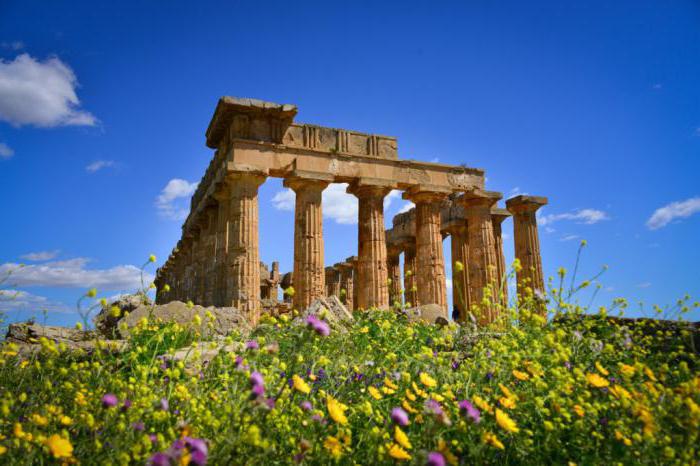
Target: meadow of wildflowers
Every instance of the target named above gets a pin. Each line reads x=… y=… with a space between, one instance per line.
x=567 y=389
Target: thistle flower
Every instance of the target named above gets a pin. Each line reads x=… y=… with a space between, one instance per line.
x=109 y=400
x=164 y=404
x=465 y=407
x=159 y=459
x=399 y=416
x=435 y=459
x=252 y=345
x=256 y=378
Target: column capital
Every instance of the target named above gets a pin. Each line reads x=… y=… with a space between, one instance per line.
x=525 y=204
x=455 y=227
x=498 y=215
x=479 y=198
x=299 y=183
x=250 y=175
x=419 y=194
x=363 y=188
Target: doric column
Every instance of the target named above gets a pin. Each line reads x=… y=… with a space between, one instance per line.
x=394 y=271
x=482 y=254
x=208 y=259
x=371 y=284
x=410 y=289
x=346 y=285
x=221 y=261
x=459 y=245
x=497 y=218
x=527 y=242
x=430 y=260
x=243 y=258
x=332 y=281
x=309 y=275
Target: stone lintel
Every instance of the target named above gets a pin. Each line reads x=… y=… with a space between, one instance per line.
x=523 y=203
x=298 y=179
x=426 y=193
x=244 y=116
x=499 y=215
x=453 y=225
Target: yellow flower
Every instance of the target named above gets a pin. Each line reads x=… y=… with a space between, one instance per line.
x=398 y=453
x=426 y=380
x=401 y=438
x=458 y=266
x=333 y=445
x=579 y=410
x=521 y=375
x=59 y=447
x=374 y=393
x=300 y=385
x=491 y=439
x=507 y=402
x=481 y=403
x=407 y=406
x=3 y=450
x=506 y=422
x=596 y=380
x=650 y=374
x=410 y=395
x=601 y=369
x=336 y=410
x=507 y=392
x=619 y=392
x=627 y=370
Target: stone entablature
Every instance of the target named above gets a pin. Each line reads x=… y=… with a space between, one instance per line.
x=217 y=260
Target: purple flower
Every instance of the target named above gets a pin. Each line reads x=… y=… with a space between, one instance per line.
x=489 y=375
x=567 y=364
x=198 y=458
x=433 y=407
x=319 y=326
x=465 y=407
x=153 y=438
x=159 y=459
x=270 y=402
x=399 y=416
x=109 y=400
x=455 y=365
x=435 y=459
x=198 y=450
x=257 y=391
x=138 y=426
x=126 y=405
x=164 y=404
x=306 y=406
x=256 y=378
x=251 y=345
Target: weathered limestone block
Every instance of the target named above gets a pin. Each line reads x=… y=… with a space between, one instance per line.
x=482 y=254
x=429 y=313
x=372 y=274
x=106 y=323
x=527 y=242
x=332 y=281
x=309 y=272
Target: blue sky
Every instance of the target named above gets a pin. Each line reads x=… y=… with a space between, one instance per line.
x=593 y=104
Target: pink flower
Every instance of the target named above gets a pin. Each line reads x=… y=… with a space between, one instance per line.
x=109 y=400
x=399 y=416
x=465 y=407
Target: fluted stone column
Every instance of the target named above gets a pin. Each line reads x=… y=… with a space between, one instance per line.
x=372 y=275
x=332 y=281
x=409 y=275
x=309 y=274
x=346 y=283
x=430 y=260
x=459 y=245
x=243 y=258
x=208 y=259
x=527 y=242
x=497 y=218
x=482 y=254
x=222 y=243
x=394 y=271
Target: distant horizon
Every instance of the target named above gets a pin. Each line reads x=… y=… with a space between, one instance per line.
x=104 y=108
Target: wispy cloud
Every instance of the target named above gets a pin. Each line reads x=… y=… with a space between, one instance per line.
x=6 y=151
x=644 y=285
x=515 y=192
x=40 y=93
x=74 y=273
x=673 y=211
x=12 y=45
x=585 y=216
x=99 y=165
x=170 y=202
x=569 y=238
x=40 y=255
x=14 y=300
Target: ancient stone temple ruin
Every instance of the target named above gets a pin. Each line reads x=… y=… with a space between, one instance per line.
x=217 y=261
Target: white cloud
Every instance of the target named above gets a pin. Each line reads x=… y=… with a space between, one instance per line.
x=40 y=255
x=6 y=151
x=337 y=204
x=408 y=205
x=40 y=93
x=675 y=210
x=569 y=238
x=170 y=202
x=73 y=273
x=587 y=216
x=515 y=192
x=549 y=230
x=99 y=165
x=15 y=300
x=644 y=285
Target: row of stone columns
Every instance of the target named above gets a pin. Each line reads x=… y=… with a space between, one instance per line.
x=217 y=262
